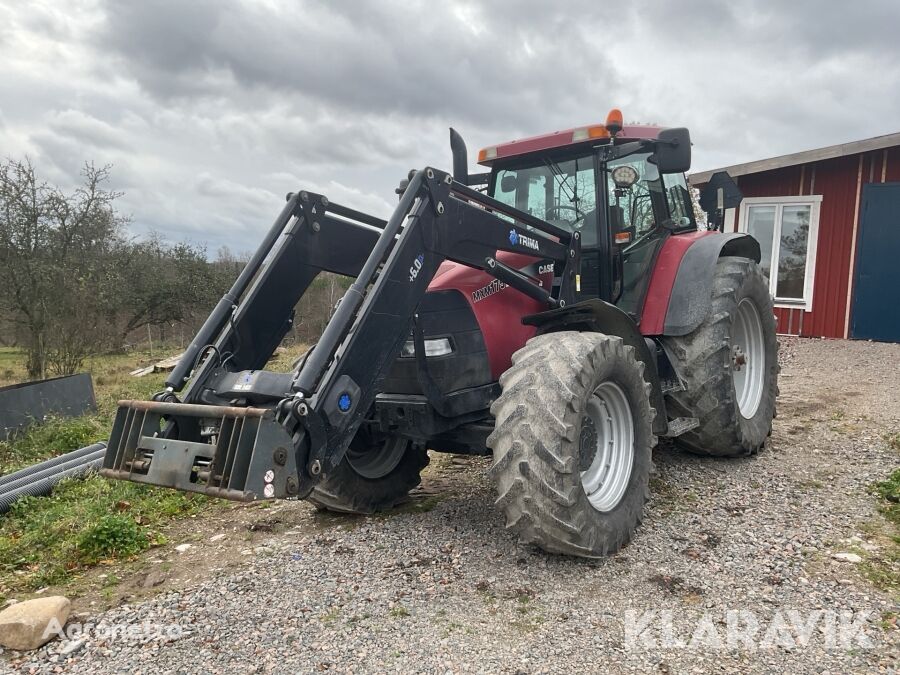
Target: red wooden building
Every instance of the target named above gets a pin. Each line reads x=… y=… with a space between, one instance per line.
x=828 y=223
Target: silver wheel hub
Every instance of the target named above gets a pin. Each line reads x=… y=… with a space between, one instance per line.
x=748 y=358
x=606 y=446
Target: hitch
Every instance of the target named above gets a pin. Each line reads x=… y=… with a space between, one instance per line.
x=241 y=454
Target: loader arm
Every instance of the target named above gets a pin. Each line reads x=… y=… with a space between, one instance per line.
x=243 y=433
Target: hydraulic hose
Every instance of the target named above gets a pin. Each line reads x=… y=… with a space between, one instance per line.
x=54 y=462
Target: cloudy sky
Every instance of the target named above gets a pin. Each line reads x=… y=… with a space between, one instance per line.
x=211 y=110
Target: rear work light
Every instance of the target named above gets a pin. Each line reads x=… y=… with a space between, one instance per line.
x=437 y=347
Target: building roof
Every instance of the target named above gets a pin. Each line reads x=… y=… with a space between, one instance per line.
x=830 y=152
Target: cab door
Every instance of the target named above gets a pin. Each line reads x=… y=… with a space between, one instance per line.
x=641 y=217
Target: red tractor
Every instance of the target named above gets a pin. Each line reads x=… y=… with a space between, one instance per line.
x=560 y=311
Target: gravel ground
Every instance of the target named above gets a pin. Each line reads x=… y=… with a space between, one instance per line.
x=442 y=587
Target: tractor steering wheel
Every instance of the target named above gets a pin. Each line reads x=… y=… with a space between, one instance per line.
x=578 y=223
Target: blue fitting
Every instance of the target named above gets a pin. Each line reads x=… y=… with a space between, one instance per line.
x=344 y=402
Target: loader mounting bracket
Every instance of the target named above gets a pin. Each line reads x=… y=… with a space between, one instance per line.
x=222 y=451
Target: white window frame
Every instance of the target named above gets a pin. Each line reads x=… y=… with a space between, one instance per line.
x=814 y=202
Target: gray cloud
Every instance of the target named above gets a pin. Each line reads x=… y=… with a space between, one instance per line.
x=421 y=60
x=211 y=110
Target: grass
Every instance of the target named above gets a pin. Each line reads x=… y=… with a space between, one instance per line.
x=51 y=540
x=55 y=437
x=331 y=615
x=883 y=568
x=888 y=492
x=811 y=483
x=893 y=441
x=12 y=366
x=415 y=505
x=668 y=498
x=399 y=612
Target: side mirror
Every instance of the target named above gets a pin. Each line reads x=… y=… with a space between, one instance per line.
x=673 y=151
x=719 y=193
x=509 y=182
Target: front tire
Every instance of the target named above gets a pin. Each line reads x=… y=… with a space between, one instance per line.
x=375 y=474
x=729 y=365
x=572 y=443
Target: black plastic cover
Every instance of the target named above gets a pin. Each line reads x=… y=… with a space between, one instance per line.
x=445 y=314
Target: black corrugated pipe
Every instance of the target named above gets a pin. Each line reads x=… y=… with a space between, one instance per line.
x=52 y=471
x=44 y=485
x=56 y=461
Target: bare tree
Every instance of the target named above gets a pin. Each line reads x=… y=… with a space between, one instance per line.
x=74 y=284
x=51 y=247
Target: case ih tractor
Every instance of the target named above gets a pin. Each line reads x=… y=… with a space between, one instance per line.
x=560 y=311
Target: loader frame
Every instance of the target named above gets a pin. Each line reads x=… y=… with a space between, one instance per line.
x=196 y=443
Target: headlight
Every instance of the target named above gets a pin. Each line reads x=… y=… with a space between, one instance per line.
x=438 y=347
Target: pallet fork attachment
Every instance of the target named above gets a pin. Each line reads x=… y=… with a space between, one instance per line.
x=228 y=433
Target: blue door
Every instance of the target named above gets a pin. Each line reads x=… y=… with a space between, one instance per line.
x=876 y=291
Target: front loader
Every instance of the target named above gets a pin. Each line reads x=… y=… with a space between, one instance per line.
x=561 y=318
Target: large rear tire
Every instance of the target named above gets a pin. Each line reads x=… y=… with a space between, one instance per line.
x=375 y=474
x=572 y=443
x=729 y=365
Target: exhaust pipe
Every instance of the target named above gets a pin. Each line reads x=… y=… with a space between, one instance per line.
x=460 y=157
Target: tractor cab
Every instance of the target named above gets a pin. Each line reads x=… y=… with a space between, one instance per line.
x=604 y=181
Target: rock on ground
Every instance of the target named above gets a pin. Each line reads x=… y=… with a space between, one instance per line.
x=24 y=625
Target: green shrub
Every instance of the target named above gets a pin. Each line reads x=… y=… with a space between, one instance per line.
x=47 y=540
x=113 y=536
x=889 y=491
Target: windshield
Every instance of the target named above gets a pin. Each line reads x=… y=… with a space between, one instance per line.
x=562 y=193
x=643 y=208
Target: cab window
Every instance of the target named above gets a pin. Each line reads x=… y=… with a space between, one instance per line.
x=562 y=193
x=678 y=199
x=638 y=207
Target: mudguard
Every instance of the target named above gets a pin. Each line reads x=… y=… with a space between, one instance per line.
x=680 y=292
x=601 y=317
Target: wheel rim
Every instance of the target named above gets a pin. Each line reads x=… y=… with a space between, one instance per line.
x=606 y=446
x=376 y=461
x=748 y=358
